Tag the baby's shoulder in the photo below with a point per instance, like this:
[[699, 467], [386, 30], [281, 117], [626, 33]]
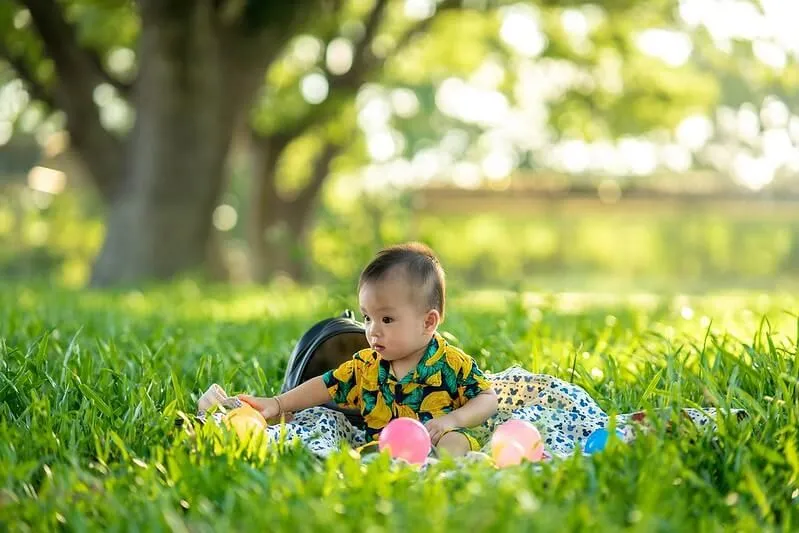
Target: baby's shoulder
[[453, 352], [459, 360]]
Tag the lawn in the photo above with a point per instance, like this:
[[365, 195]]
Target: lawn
[[91, 384]]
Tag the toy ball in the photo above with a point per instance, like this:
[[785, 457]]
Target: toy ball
[[507, 453], [598, 439], [245, 421], [524, 434], [406, 438]]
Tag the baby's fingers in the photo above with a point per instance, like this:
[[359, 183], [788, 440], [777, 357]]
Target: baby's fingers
[[252, 401]]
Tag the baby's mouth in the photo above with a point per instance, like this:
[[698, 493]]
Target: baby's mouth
[[378, 347]]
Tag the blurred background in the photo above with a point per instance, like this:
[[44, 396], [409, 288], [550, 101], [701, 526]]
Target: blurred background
[[557, 145]]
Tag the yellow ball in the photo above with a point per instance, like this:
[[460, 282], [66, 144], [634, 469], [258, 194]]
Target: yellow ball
[[245, 421]]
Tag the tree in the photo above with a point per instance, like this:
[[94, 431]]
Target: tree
[[199, 66], [279, 222], [281, 215]]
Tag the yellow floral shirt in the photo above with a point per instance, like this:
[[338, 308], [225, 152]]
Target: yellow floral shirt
[[443, 380]]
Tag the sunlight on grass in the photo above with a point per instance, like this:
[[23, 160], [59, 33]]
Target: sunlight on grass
[[91, 384]]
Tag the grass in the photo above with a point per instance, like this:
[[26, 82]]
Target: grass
[[91, 383]]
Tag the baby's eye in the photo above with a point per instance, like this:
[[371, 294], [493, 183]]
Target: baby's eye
[[387, 320], [366, 318]]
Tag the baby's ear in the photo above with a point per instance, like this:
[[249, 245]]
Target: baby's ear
[[432, 320]]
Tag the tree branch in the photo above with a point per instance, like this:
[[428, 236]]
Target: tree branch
[[364, 62], [23, 70], [124, 89], [346, 81], [360, 56], [362, 65], [76, 79], [230, 11], [424, 25], [61, 44], [372, 23], [321, 169], [270, 149]]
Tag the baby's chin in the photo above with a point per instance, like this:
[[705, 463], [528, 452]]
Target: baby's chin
[[385, 354]]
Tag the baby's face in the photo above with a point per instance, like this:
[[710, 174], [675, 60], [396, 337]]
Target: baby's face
[[394, 320]]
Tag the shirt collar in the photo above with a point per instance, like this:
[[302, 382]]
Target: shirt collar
[[434, 350]]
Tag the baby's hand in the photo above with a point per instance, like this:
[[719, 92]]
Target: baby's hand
[[268, 407], [438, 426]]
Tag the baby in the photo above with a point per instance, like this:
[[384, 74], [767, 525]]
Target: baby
[[409, 370]]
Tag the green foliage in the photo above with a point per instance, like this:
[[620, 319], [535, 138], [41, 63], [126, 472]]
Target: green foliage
[[258, 14], [690, 248], [105, 25], [569, 249], [91, 384], [457, 43], [22, 44], [652, 96], [56, 237], [45, 236]]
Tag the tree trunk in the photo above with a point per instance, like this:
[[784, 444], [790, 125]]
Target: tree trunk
[[279, 227], [188, 97], [266, 206], [215, 258], [286, 247]]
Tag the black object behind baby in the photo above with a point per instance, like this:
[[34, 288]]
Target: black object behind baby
[[325, 346]]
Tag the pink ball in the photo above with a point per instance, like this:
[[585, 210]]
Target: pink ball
[[508, 453], [406, 438], [523, 433]]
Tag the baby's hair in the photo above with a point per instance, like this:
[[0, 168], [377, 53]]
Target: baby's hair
[[420, 265]]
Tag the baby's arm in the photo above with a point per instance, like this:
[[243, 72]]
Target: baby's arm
[[477, 410], [310, 394], [473, 413]]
